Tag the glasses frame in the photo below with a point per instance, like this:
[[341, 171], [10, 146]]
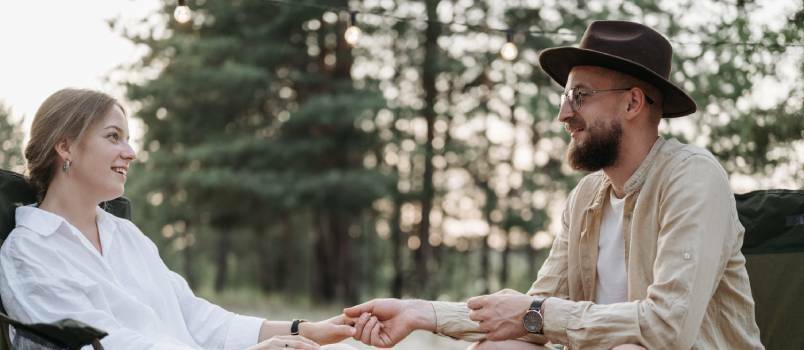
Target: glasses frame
[[575, 96]]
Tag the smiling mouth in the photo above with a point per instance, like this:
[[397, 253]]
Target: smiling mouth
[[120, 170], [573, 132]]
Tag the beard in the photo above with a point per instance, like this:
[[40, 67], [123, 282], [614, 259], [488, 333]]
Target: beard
[[601, 148]]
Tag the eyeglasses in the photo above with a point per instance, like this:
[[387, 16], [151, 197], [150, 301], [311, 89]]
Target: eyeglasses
[[575, 96]]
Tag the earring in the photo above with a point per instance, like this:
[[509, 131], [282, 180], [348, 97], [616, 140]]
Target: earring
[[66, 166]]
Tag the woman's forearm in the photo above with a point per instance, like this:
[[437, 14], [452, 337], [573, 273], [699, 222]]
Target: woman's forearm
[[273, 328]]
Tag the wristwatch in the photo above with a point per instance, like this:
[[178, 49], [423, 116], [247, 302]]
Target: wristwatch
[[533, 319], [294, 326]]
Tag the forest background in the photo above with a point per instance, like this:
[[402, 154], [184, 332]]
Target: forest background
[[283, 171]]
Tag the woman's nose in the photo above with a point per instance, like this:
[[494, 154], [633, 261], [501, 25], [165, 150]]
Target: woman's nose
[[129, 153]]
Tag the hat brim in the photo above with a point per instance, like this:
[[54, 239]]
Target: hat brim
[[558, 62]]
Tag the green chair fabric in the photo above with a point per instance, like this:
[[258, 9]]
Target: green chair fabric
[[774, 252], [64, 334], [14, 191]]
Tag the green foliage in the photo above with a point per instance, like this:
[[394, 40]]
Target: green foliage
[[237, 143], [269, 141], [10, 142]]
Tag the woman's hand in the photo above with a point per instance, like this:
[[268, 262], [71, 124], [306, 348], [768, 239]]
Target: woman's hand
[[286, 342], [328, 331]]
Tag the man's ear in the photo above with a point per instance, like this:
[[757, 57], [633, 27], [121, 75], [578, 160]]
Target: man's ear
[[63, 149], [636, 102]]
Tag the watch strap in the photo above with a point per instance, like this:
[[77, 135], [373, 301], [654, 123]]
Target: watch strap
[[294, 326], [536, 305]]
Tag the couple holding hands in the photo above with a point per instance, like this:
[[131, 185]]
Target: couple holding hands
[[648, 257]]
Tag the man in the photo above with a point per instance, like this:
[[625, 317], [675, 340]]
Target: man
[[649, 255]]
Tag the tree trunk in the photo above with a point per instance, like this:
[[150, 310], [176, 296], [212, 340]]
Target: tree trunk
[[341, 257], [264, 260], [222, 258], [424, 253], [187, 257], [510, 77], [505, 260], [485, 251], [397, 284], [286, 255], [533, 270], [323, 283]]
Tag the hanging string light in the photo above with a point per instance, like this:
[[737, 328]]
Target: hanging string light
[[353, 33], [182, 14], [509, 51]]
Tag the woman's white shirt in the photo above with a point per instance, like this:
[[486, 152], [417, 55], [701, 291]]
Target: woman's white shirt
[[49, 271]]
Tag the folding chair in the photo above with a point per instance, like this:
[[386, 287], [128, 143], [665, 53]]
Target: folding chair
[[64, 334], [774, 252]]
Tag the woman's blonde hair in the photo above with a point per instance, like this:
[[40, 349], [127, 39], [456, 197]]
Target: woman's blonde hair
[[64, 116]]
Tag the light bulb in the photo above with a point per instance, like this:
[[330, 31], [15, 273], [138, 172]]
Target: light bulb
[[509, 51], [182, 14], [352, 35]]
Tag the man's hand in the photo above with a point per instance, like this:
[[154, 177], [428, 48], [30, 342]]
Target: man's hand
[[385, 322], [328, 331], [500, 314]]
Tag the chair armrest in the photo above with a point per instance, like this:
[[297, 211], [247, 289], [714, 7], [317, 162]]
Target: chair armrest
[[67, 333]]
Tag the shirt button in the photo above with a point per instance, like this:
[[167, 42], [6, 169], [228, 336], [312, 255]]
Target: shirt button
[[687, 256]]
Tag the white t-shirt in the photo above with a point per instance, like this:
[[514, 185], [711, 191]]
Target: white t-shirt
[[49, 271], [612, 285]]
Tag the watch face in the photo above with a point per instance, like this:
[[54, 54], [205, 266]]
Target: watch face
[[533, 321]]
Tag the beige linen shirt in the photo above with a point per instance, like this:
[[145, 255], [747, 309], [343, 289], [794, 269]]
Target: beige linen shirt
[[687, 283]]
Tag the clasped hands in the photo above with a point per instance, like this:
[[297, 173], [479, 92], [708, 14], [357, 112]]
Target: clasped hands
[[386, 322]]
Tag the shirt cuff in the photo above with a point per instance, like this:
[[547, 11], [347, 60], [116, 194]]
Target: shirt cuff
[[452, 320], [557, 312], [244, 331]]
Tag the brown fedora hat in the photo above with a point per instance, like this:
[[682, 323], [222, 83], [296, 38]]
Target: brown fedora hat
[[627, 47]]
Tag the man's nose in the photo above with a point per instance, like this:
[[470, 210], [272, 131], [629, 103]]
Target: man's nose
[[565, 112]]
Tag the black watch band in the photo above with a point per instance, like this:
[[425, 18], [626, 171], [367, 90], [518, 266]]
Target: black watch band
[[294, 326], [536, 305]]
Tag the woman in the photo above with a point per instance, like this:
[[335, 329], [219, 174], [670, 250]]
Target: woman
[[67, 258]]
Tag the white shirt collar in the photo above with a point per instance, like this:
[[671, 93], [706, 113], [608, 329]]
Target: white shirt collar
[[45, 223]]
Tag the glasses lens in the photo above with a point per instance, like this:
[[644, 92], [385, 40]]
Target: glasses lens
[[575, 99], [568, 97]]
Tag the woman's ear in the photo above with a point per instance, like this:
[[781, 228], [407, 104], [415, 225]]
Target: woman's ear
[[63, 149]]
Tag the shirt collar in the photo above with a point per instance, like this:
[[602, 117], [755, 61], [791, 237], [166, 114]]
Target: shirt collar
[[37, 220], [46, 223], [634, 182], [638, 177]]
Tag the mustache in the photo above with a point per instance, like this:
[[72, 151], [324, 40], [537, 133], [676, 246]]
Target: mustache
[[574, 123]]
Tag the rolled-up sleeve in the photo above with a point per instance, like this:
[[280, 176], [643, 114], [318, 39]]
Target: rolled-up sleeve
[[452, 320], [698, 231]]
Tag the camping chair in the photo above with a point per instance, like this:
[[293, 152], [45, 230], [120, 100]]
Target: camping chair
[[64, 334], [774, 252]]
